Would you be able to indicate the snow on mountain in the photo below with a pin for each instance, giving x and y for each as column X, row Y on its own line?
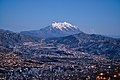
column 63, row 25
column 56, row 29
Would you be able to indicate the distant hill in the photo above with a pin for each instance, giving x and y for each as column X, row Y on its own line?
column 89, row 43
column 114, row 36
column 9, row 39
column 82, row 42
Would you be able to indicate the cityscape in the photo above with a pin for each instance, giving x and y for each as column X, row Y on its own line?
column 49, row 59
column 59, row 40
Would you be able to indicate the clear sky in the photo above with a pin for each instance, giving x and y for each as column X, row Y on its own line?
column 92, row 16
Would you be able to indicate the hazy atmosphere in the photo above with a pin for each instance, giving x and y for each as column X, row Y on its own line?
column 92, row 16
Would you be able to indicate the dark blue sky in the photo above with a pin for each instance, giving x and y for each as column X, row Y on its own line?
column 92, row 16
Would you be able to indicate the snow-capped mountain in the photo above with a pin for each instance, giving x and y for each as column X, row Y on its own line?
column 56, row 29
column 64, row 26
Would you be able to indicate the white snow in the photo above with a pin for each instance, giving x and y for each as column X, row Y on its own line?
column 64, row 25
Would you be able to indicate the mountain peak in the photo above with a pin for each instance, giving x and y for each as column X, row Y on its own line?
column 64, row 25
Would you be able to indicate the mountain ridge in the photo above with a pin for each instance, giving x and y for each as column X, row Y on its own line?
column 89, row 43
column 81, row 42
